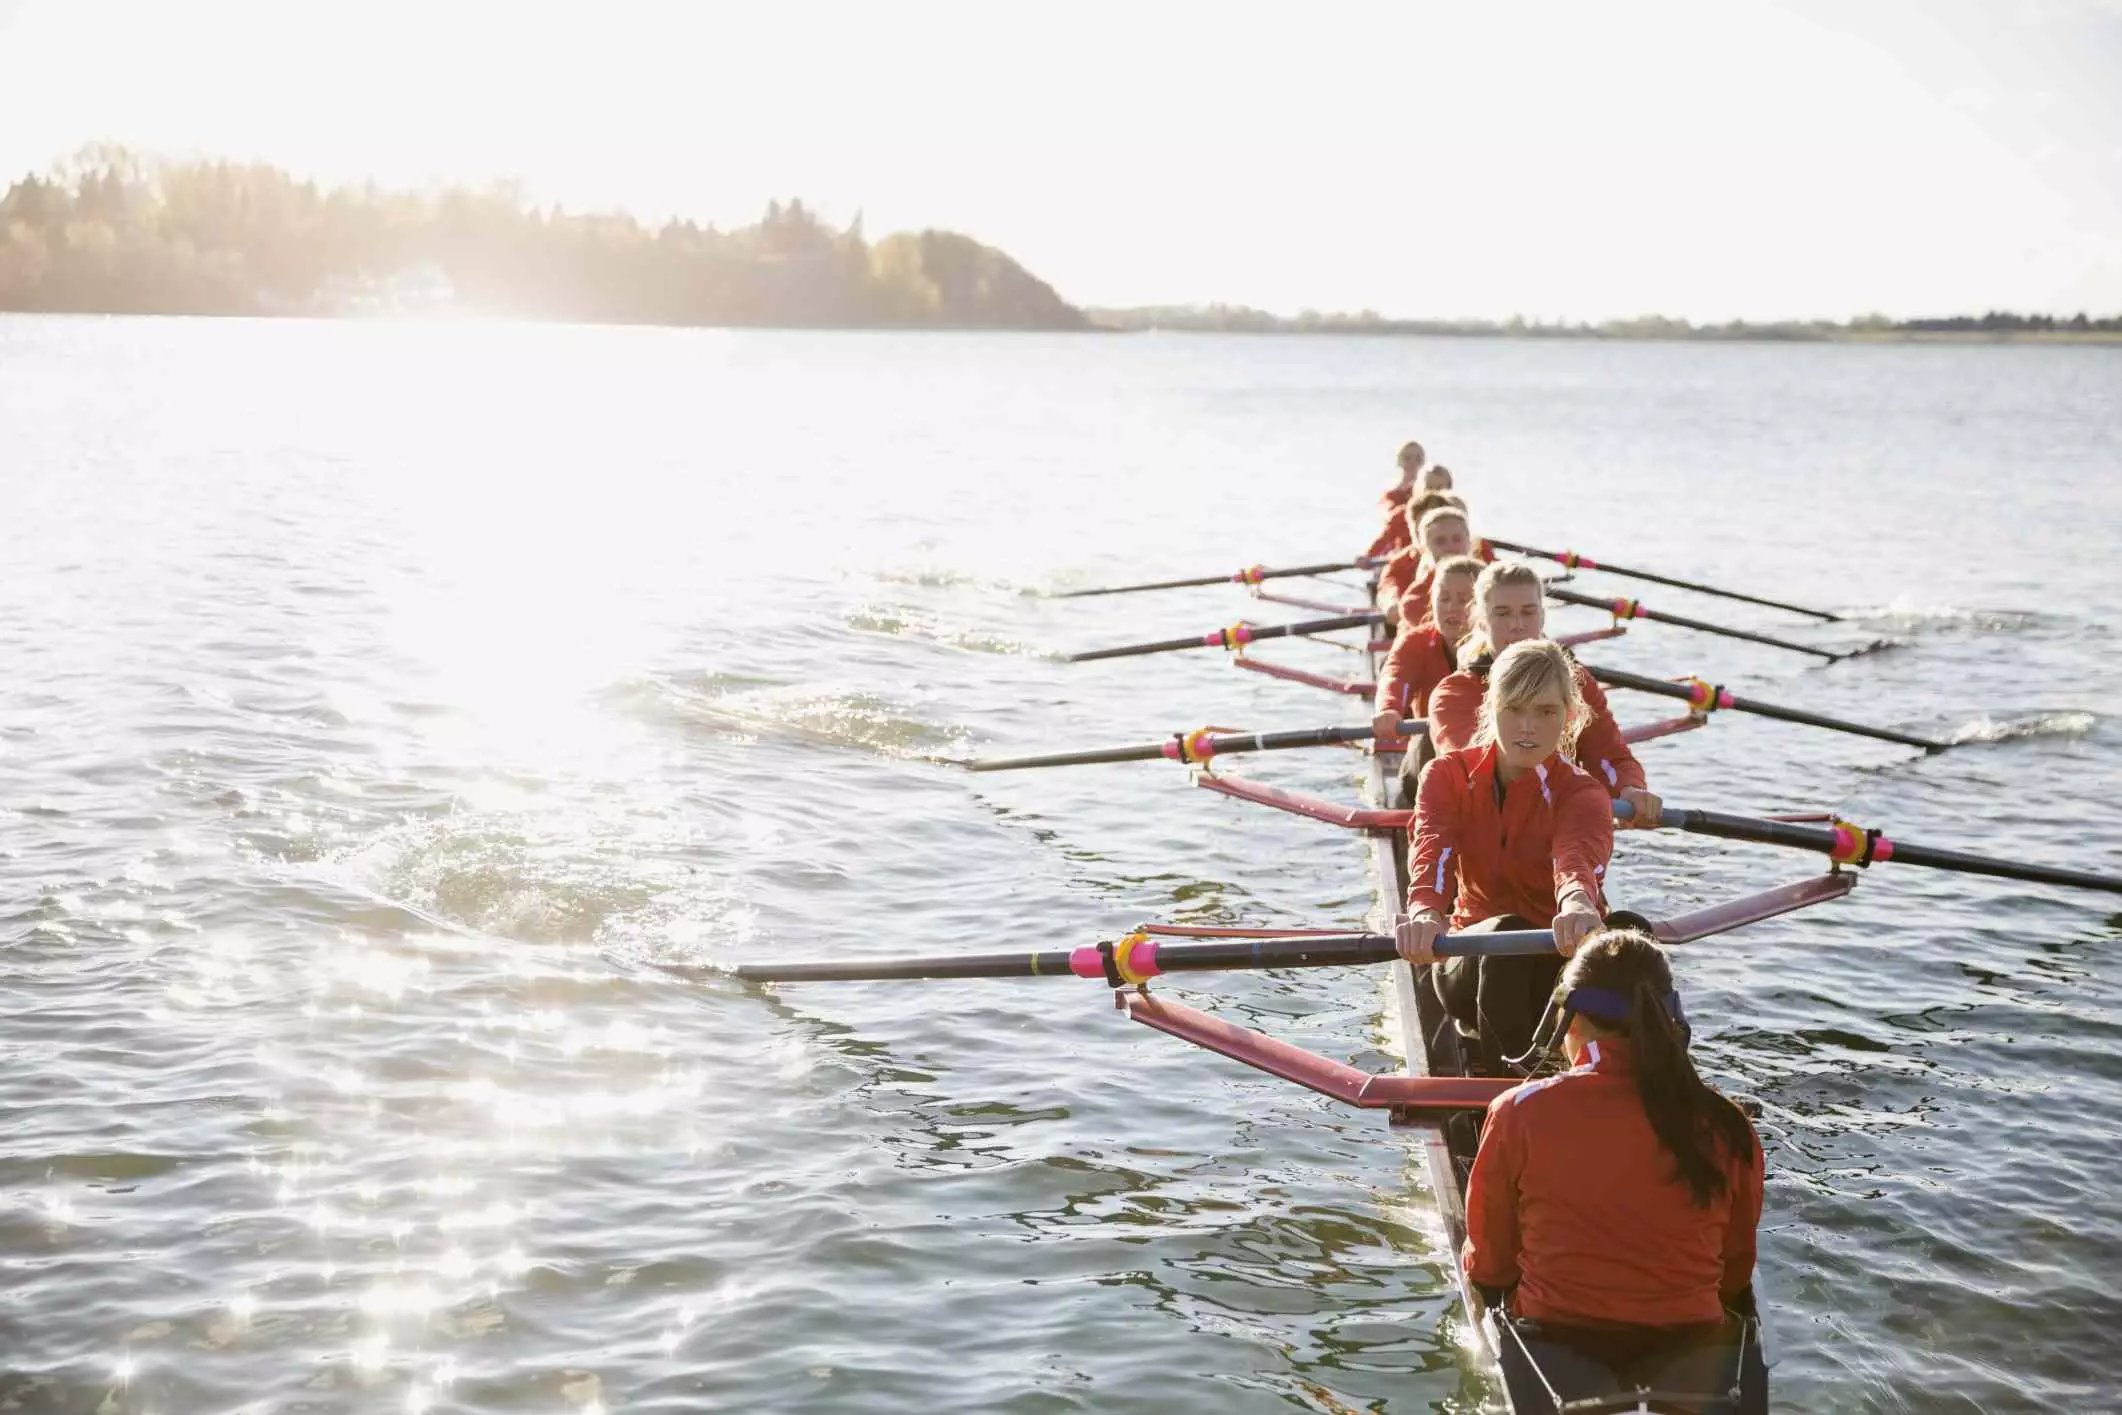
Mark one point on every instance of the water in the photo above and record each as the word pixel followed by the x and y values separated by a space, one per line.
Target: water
pixel 384 701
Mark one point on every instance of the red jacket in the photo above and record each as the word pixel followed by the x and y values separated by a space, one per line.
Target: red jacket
pixel 1420 660
pixel 1574 1201
pixel 1400 572
pixel 1396 532
pixel 1455 714
pixel 1473 857
pixel 1393 537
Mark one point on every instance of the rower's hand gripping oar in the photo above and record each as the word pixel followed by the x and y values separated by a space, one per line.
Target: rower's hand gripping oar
pixel 1236 636
pixel 1193 747
pixel 1707 697
pixel 1251 575
pixel 1847 844
pixel 1631 609
pixel 1138 957
pixel 1574 561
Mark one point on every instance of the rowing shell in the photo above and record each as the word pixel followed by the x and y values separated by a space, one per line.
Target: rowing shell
pixel 1538 1377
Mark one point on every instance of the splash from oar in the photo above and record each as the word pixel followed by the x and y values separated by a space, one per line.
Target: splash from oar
pixel 1236 636
pixel 1706 697
pixel 1574 561
pixel 1251 575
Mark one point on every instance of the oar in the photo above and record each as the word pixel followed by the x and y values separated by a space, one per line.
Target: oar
pixel 1233 637
pixel 1138 957
pixel 1847 844
pixel 1631 609
pixel 1571 559
pixel 1196 746
pixel 1703 697
pixel 1252 575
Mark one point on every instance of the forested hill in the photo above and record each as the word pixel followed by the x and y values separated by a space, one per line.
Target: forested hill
pixel 115 234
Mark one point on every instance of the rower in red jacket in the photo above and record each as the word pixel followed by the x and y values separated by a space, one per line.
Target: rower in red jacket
pixel 1508 833
pixel 1440 530
pixel 1617 1201
pixel 1424 652
pixel 1509 608
pixel 1411 459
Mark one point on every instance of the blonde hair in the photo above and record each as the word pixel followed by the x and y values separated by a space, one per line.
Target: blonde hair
pixel 1440 513
pixel 1530 670
pixel 1438 478
pixel 1414 450
pixel 1424 502
pixel 1503 573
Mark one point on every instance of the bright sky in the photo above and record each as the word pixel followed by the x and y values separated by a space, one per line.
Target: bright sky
pixel 1420 157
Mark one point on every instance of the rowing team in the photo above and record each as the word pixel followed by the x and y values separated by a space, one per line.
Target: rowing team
pixel 1617 1199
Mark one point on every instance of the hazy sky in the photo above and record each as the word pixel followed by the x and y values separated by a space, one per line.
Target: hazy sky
pixel 1705 158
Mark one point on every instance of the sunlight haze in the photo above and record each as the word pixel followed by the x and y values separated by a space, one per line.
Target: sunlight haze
pixel 1754 160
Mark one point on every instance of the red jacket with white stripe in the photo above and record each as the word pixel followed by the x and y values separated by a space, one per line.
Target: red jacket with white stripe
pixel 1475 852
pixel 1574 1201
pixel 1455 714
pixel 1421 659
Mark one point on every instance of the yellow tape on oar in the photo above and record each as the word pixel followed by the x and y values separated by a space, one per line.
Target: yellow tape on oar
pixel 1192 748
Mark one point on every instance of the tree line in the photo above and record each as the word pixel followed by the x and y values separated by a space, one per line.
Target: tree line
pixel 112 232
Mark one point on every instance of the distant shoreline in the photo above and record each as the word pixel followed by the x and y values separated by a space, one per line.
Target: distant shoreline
pixel 1986 329
pixel 461 315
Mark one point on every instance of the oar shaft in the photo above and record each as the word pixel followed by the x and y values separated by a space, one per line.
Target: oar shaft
pixel 1192 747
pixel 1251 576
pixel 1573 560
pixel 1140 958
pixel 1852 846
pixel 1233 637
pixel 1703 697
pixel 1630 609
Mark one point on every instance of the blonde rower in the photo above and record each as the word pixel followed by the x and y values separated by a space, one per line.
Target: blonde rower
pixel 1510 608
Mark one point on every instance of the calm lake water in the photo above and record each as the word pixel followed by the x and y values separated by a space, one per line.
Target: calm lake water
pixel 383 702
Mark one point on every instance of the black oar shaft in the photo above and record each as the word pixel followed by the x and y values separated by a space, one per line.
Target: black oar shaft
pixel 1719 698
pixel 1250 576
pixel 1573 560
pixel 1233 637
pixel 1191 747
pixel 1140 958
pixel 1630 609
pixel 1852 846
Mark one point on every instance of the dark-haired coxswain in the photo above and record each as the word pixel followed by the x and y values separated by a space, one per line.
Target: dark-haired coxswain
pixel 1612 1207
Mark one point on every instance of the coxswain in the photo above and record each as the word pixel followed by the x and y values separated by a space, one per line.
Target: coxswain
pixel 1509 608
pixel 1508 833
pixel 1613 1207
pixel 1424 652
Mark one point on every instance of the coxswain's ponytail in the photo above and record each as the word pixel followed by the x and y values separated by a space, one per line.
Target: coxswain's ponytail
pixel 1623 975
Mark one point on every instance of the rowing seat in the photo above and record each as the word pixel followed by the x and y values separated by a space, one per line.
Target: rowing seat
pixel 1554 1370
